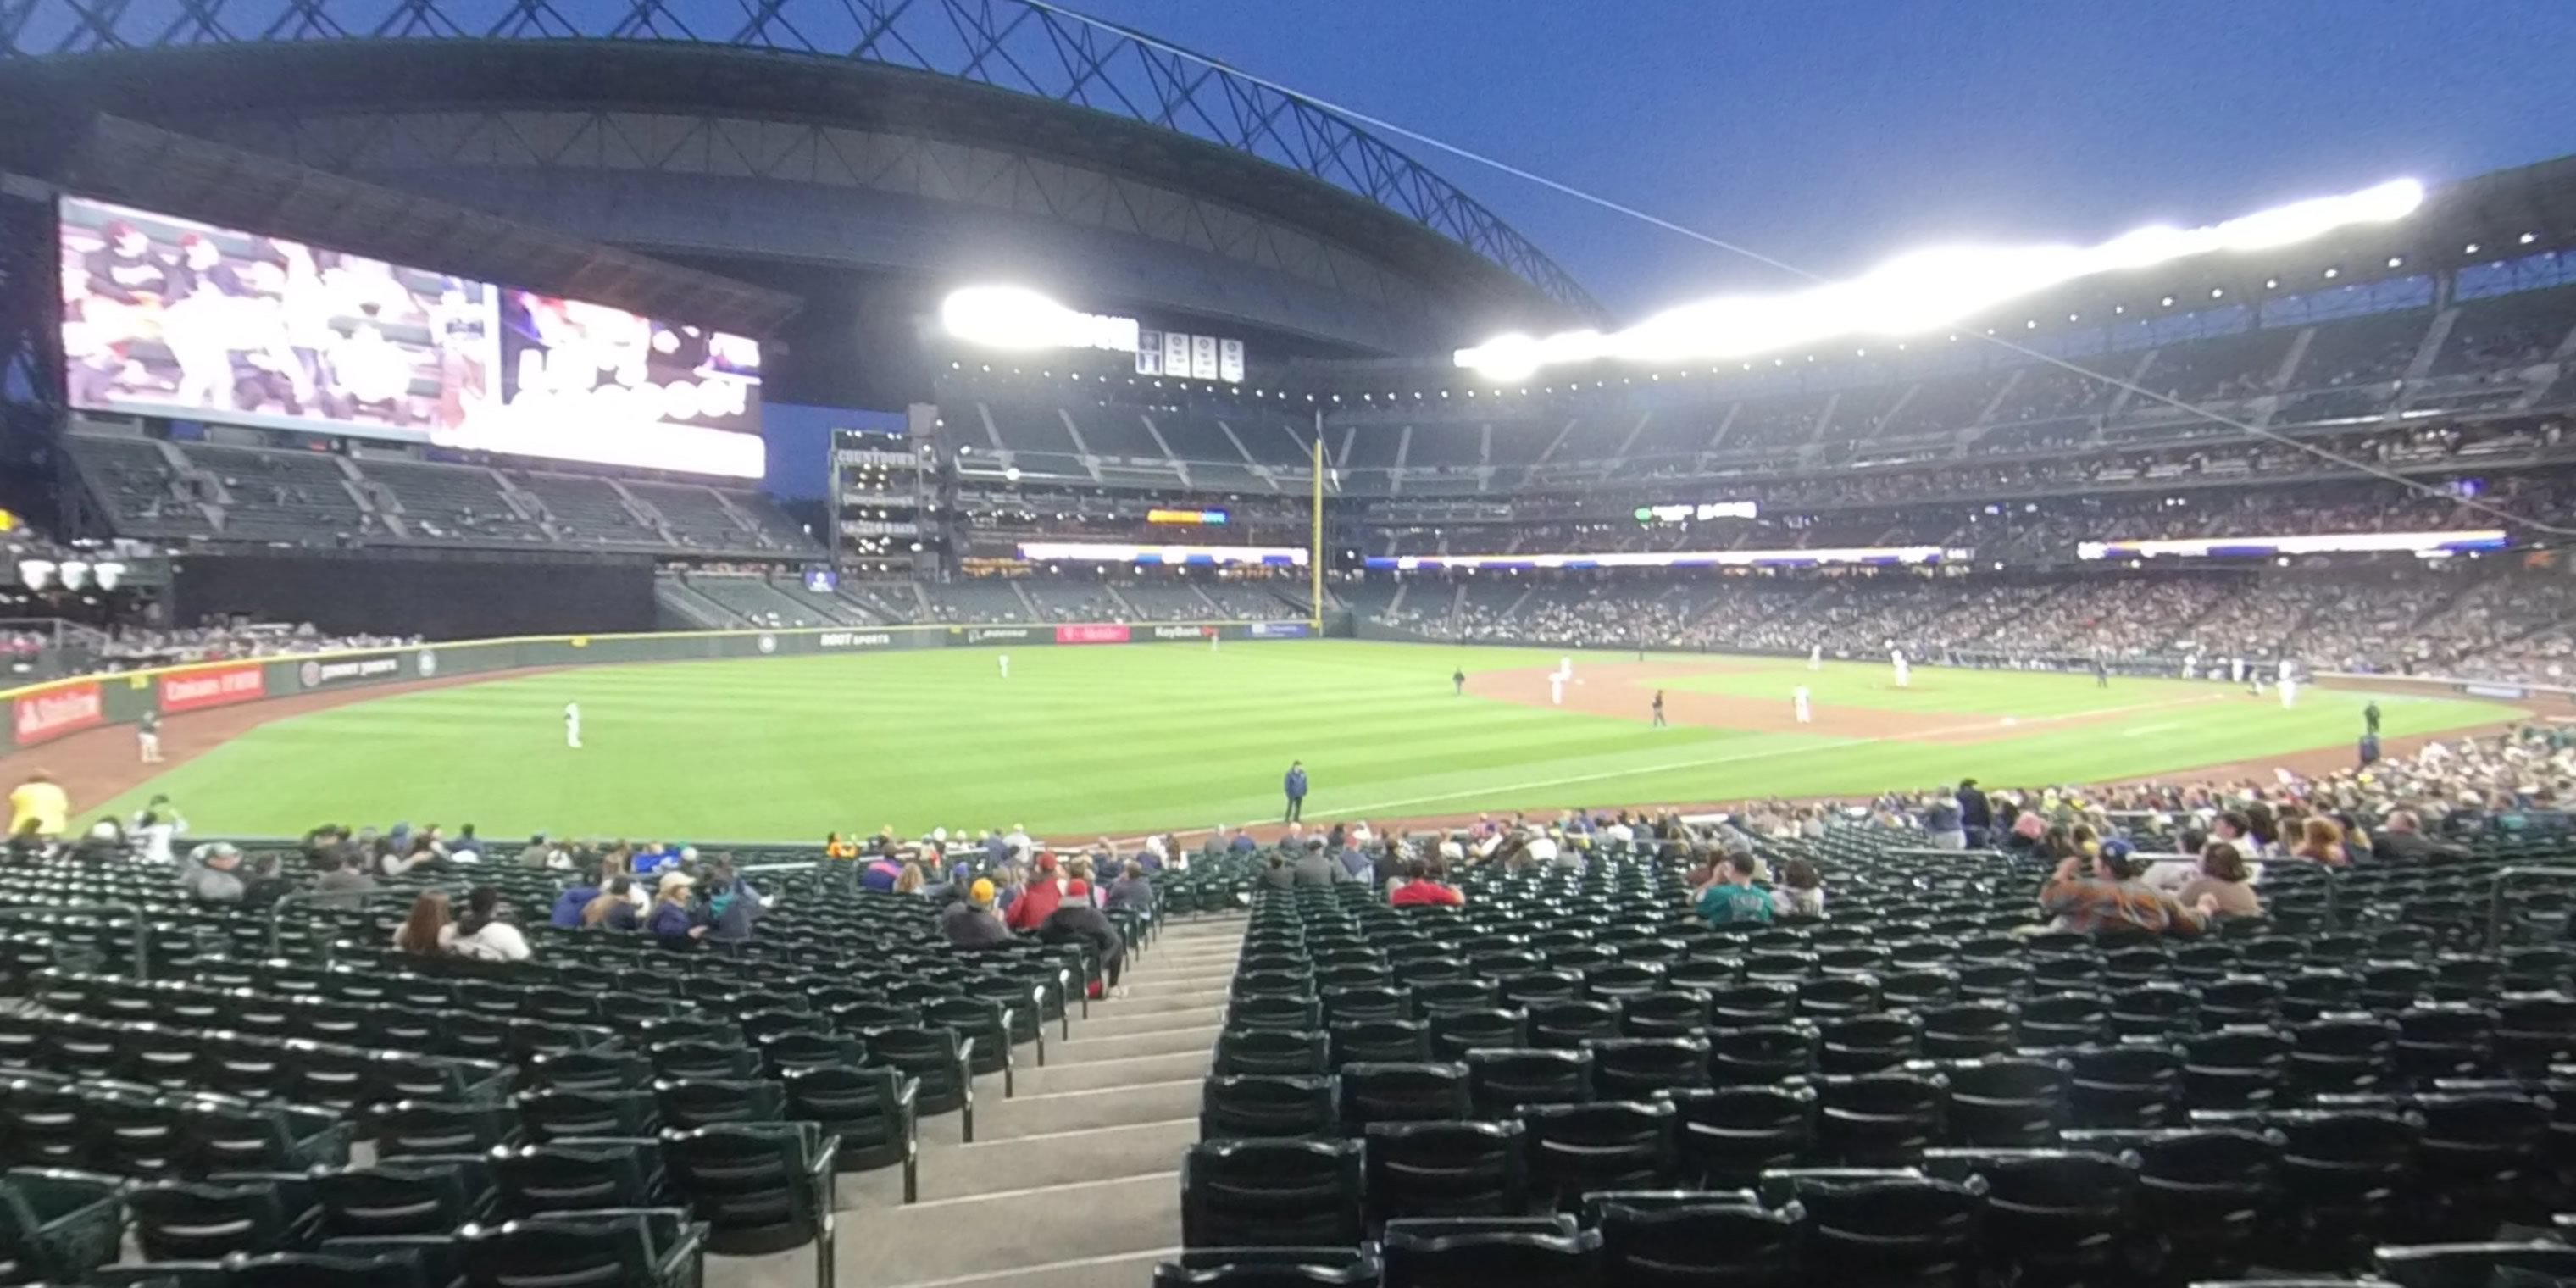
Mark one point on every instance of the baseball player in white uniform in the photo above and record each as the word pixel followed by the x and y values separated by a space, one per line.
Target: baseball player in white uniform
pixel 1798 700
pixel 1904 673
pixel 572 725
pixel 1556 689
pixel 1815 657
pixel 1005 660
pixel 2289 690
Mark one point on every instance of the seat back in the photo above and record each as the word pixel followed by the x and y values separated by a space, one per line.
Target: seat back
pixel 1446 1169
pixel 1271 1193
pixel 1241 1106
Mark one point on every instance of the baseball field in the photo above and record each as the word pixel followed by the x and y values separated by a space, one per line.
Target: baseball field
pixel 1182 736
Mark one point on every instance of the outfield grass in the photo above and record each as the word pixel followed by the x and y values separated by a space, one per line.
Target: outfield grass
pixel 1121 738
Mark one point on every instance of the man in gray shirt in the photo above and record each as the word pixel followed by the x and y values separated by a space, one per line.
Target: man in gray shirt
pixel 1313 867
pixel 345 886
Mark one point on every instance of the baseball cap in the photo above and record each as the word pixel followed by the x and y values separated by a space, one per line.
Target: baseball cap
pixel 980 894
pixel 1046 862
pixel 1077 889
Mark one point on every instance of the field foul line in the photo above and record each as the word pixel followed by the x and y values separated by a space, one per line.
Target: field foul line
pixel 1378 807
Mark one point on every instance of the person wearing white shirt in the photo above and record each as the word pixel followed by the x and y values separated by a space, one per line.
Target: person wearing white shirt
pixel 482 935
pixel 155 829
pixel 1542 847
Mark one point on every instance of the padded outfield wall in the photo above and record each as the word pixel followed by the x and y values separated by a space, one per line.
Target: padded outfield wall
pixel 2160 668
pixel 41 713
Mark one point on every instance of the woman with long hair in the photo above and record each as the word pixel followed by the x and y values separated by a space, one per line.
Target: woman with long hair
pixel 429 927
pixel 2223 881
pixel 910 880
pixel 2321 841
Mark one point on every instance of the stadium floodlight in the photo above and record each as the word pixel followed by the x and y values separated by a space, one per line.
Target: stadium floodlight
pixel 1924 290
pixel 1015 317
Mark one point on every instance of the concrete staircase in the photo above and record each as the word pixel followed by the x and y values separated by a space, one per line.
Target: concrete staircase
pixel 1072 1183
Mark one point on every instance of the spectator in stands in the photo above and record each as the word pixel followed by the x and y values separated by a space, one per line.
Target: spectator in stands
pixel 613 908
pixel 39 803
pixel 1944 822
pixel 467 847
pixel 1312 868
pixel 972 923
pixel 1732 896
pixel 566 913
pixel 402 860
pixel 670 919
pixel 1801 892
pixel 345 886
pixel 2402 839
pixel 2237 831
pixel 732 904
pixel 212 874
pixel 1277 875
pixel 1075 920
pixel 1044 895
pixel 426 931
pixel 2224 882
pixel 1133 892
pixel 2321 841
pixel 1428 887
pixel 483 934
pixel 1976 813
pixel 881 873
pixel 910 880
pixel 536 854
pixel 1354 860
pixel 155 830
pixel 2112 899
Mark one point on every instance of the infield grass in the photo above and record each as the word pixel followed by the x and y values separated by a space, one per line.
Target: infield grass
pixel 1118 739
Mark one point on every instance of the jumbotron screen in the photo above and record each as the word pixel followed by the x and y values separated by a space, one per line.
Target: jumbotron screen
pixel 165 316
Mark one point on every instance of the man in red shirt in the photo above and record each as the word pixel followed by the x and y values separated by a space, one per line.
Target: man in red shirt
pixel 1430 887
pixel 1039 902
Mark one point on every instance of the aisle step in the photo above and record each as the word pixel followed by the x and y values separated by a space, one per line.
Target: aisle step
pixel 1159 1066
pixel 950 1170
pixel 1161 985
pixel 1026 1230
pixel 1106 1026
pixel 1133 1004
pixel 1071 1110
pixel 1121 1046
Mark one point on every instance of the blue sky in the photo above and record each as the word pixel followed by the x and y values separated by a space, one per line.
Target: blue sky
pixel 1832 133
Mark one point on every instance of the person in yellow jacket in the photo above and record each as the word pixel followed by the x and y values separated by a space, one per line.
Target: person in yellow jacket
pixel 39 803
pixel 841 862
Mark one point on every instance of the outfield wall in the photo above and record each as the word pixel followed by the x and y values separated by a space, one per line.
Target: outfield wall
pixel 40 713
pixel 2151 668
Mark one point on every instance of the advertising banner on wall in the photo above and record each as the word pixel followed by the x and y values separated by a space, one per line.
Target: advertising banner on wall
pixel 51 713
pixel 1091 635
pixel 996 634
pixel 1183 632
pixel 214 687
pixel 322 673
pixel 853 639
pixel 1281 630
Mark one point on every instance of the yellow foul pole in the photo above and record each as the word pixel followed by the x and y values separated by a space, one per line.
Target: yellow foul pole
pixel 1315 555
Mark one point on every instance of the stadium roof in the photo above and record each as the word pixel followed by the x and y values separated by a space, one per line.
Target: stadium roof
pixel 937 65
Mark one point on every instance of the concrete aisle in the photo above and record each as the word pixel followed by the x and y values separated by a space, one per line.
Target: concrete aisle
pixel 1072 1183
